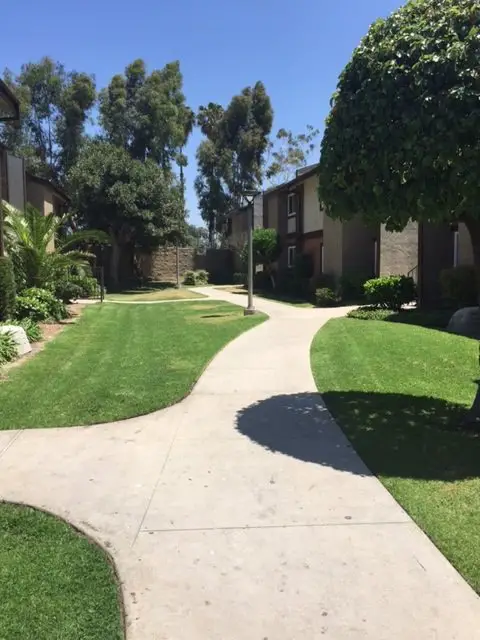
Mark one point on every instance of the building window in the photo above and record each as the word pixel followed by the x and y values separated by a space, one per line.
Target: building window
pixel 322 259
pixel 292 204
pixel 291 256
pixel 455 248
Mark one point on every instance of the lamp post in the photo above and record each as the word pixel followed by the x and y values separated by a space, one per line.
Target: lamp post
pixel 250 200
pixel 9 112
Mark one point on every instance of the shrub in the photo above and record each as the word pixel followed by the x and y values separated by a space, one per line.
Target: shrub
pixel 189 278
pixel 40 304
pixel 390 292
pixel 8 348
pixel 240 278
pixel 88 285
pixel 351 286
pixel 460 286
pixel 32 329
pixel 7 289
pixel 201 276
pixel 66 291
pixel 369 313
pixel 325 297
pixel 193 278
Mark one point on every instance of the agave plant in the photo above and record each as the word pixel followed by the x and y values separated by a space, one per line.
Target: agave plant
pixel 40 252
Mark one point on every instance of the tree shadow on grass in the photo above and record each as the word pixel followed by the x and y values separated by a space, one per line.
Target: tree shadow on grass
pixel 396 435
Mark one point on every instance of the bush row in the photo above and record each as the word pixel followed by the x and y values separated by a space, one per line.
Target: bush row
pixel 194 278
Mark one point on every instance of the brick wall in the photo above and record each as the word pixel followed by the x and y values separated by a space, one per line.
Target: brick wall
pixel 161 264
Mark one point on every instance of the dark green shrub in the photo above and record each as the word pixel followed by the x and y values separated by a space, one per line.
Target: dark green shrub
pixel 40 304
pixel 460 286
pixel 325 281
pixel 201 277
pixel 289 283
pixel 390 292
pixel 89 286
pixel 67 291
pixel 189 279
pixel 351 286
pixel 8 348
pixel 369 313
pixel 32 329
pixel 7 289
pixel 240 278
pixel 325 297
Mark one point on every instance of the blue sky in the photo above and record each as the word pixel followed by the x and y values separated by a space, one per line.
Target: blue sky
pixel 297 49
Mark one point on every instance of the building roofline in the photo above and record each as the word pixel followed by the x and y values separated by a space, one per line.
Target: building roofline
pixel 47 183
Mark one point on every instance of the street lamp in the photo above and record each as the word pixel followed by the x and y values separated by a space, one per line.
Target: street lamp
pixel 9 112
pixel 249 197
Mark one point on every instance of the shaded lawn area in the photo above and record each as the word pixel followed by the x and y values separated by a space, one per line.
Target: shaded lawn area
pixel 153 291
pixel 276 296
pixel 399 392
pixel 54 583
pixel 119 361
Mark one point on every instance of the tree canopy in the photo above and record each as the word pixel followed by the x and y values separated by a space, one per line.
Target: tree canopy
pixel 54 107
pixel 401 141
pixel 289 152
pixel 231 158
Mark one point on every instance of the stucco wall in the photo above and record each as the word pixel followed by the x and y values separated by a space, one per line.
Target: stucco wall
pixel 465 253
pixel 16 181
pixel 35 195
pixel 398 250
pixel 332 246
pixel 312 214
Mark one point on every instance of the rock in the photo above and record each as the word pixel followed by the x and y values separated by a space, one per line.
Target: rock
pixel 466 322
pixel 20 337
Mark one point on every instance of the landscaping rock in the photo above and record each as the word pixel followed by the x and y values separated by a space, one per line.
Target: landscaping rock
pixel 19 336
pixel 466 322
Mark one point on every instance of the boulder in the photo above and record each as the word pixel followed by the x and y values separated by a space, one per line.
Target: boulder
pixel 466 322
pixel 20 337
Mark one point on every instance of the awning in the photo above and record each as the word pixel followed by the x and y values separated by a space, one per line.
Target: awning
pixel 9 105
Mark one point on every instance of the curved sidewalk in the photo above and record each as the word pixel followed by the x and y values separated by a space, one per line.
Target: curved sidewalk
pixel 242 513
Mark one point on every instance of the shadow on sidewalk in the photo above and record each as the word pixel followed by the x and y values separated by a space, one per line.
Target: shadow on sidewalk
pixel 396 435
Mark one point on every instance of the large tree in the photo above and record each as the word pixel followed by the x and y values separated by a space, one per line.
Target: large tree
pixel 147 114
pixel 136 203
pixel 55 105
pixel 290 152
pixel 401 141
pixel 231 159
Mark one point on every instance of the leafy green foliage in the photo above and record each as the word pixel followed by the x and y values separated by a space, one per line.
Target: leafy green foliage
pixel 31 328
pixel 40 304
pixel 400 139
pixel 55 105
pixel 135 202
pixel 351 286
pixel 88 285
pixel 390 292
pixel 432 318
pixel 240 278
pixel 67 291
pixel 194 278
pixel 370 313
pixel 267 248
pixel 460 286
pixel 8 348
pixel 325 298
pixel 7 288
pixel 230 160
pixel 41 253
pixel 290 152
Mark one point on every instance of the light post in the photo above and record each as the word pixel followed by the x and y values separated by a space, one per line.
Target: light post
pixel 250 200
pixel 9 112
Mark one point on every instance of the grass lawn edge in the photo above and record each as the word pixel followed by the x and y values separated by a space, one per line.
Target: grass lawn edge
pixel 79 531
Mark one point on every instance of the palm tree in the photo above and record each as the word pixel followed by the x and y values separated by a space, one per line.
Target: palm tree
pixel 41 254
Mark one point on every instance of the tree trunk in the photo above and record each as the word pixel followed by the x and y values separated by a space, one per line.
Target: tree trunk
pixel 114 260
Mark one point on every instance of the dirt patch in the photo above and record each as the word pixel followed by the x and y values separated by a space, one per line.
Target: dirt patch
pixel 49 332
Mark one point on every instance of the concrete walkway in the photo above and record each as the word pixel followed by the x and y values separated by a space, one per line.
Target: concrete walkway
pixel 242 513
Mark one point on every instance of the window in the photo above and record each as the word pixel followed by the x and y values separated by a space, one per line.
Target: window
pixel 292 204
pixel 291 256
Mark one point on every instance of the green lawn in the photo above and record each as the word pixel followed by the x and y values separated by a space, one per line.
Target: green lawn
pixel 399 392
pixel 54 583
pixel 152 292
pixel 119 361
pixel 270 295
